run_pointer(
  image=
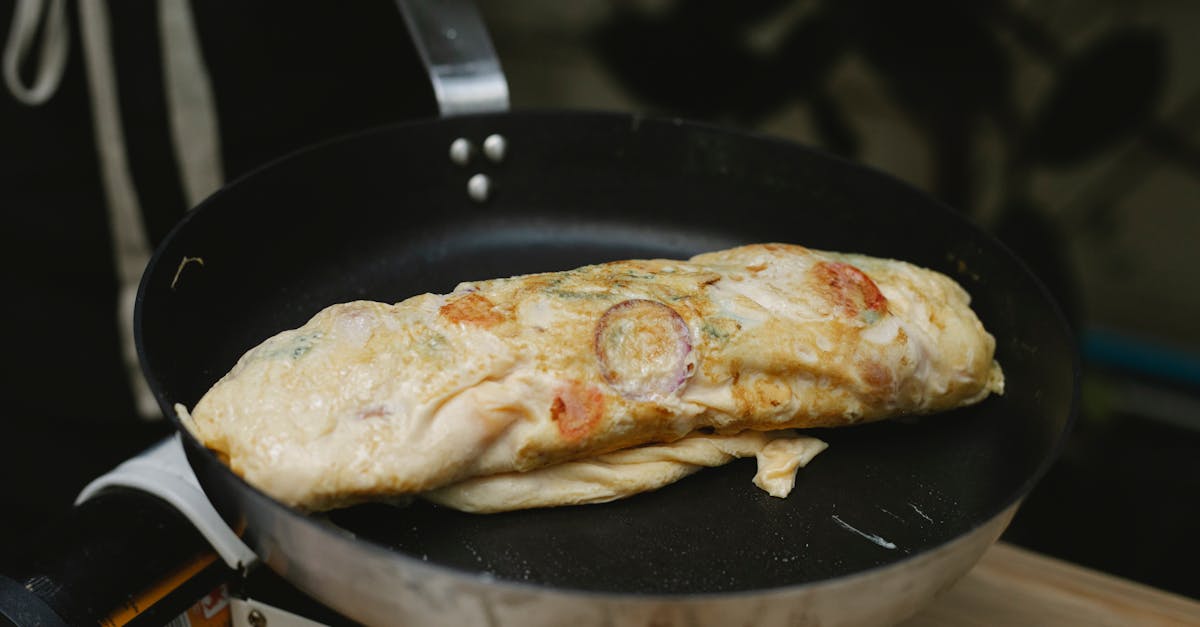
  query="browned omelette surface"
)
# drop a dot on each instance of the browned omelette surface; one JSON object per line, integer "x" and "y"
{"x": 373, "y": 401}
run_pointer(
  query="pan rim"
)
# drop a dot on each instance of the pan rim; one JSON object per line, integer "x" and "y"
{"x": 636, "y": 120}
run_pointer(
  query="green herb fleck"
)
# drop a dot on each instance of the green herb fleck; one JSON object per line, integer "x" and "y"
{"x": 720, "y": 328}
{"x": 573, "y": 294}
{"x": 293, "y": 348}
{"x": 304, "y": 343}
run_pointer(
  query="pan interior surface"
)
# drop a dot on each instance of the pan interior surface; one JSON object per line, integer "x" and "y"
{"x": 385, "y": 216}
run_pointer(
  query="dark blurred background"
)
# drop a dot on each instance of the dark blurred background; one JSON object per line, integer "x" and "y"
{"x": 1069, "y": 128}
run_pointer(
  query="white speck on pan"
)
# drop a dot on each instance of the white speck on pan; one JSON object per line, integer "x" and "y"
{"x": 870, "y": 536}
{"x": 918, "y": 510}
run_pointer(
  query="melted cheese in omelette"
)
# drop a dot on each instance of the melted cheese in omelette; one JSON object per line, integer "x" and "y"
{"x": 372, "y": 401}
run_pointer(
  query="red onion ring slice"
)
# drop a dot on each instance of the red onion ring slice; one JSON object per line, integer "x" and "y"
{"x": 644, "y": 349}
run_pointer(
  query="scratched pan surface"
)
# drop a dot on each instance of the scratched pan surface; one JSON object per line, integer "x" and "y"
{"x": 385, "y": 216}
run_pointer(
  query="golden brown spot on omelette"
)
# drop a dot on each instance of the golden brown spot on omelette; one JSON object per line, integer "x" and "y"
{"x": 758, "y": 267}
{"x": 730, "y": 370}
{"x": 786, "y": 249}
{"x": 474, "y": 309}
{"x": 772, "y": 391}
{"x": 936, "y": 320}
{"x": 758, "y": 392}
{"x": 876, "y": 375}
{"x": 902, "y": 340}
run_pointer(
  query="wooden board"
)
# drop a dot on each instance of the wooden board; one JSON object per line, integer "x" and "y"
{"x": 1013, "y": 586}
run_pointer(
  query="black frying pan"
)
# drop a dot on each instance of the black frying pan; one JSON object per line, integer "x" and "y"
{"x": 385, "y": 215}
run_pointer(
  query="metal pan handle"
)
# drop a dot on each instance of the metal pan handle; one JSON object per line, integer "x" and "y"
{"x": 458, "y": 54}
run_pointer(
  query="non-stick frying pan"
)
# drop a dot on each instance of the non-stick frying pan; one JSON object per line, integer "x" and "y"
{"x": 877, "y": 524}
{"x": 890, "y": 512}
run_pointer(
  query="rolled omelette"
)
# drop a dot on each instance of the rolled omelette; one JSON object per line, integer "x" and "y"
{"x": 518, "y": 378}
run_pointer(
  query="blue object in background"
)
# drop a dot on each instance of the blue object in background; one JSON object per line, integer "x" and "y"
{"x": 1111, "y": 349}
